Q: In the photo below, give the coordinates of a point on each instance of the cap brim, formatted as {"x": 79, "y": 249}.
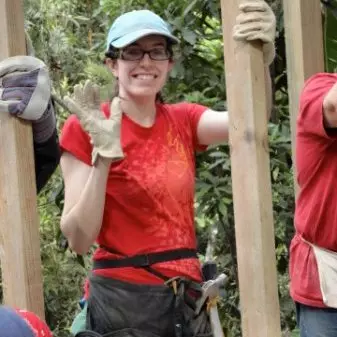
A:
{"x": 134, "y": 36}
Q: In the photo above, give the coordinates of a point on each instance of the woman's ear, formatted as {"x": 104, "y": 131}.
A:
{"x": 112, "y": 65}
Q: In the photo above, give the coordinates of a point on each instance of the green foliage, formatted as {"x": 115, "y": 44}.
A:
{"x": 69, "y": 35}
{"x": 295, "y": 333}
{"x": 330, "y": 37}
{"x": 63, "y": 275}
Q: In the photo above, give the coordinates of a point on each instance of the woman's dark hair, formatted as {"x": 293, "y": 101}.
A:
{"x": 113, "y": 54}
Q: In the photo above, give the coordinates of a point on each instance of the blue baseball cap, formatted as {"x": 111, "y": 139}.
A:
{"x": 132, "y": 26}
{"x": 12, "y": 325}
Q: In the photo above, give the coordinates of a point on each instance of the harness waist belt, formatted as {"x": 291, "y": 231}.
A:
{"x": 145, "y": 260}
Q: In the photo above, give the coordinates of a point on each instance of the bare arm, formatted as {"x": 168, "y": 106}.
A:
{"x": 330, "y": 108}
{"x": 85, "y": 188}
{"x": 213, "y": 125}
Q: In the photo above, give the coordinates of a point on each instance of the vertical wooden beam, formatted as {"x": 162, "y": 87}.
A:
{"x": 19, "y": 229}
{"x": 304, "y": 52}
{"x": 247, "y": 106}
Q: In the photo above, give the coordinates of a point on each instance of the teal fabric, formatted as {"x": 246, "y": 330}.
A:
{"x": 79, "y": 323}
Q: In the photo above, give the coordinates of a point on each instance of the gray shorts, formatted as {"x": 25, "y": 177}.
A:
{"x": 122, "y": 309}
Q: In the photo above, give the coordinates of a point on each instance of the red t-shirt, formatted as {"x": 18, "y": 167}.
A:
{"x": 150, "y": 193}
{"x": 316, "y": 211}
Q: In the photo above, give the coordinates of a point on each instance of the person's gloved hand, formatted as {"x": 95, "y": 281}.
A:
{"x": 256, "y": 21}
{"x": 25, "y": 87}
{"x": 104, "y": 132}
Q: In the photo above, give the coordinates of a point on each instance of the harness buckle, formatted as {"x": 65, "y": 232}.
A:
{"x": 144, "y": 261}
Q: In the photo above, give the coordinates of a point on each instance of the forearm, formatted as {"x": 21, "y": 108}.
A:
{"x": 269, "y": 91}
{"x": 82, "y": 223}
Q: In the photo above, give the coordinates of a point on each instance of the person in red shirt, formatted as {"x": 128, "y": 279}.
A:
{"x": 313, "y": 261}
{"x": 129, "y": 174}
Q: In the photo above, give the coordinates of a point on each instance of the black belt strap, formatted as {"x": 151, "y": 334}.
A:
{"x": 144, "y": 260}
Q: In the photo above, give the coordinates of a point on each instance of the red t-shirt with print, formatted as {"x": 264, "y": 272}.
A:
{"x": 316, "y": 211}
{"x": 150, "y": 193}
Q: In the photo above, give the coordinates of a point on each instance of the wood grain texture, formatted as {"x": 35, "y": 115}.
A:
{"x": 304, "y": 52}
{"x": 19, "y": 224}
{"x": 247, "y": 106}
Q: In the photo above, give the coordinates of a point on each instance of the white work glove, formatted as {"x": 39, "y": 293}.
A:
{"x": 256, "y": 21}
{"x": 25, "y": 87}
{"x": 104, "y": 132}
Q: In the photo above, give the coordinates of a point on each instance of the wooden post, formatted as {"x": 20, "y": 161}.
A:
{"x": 304, "y": 51}
{"x": 19, "y": 225}
{"x": 247, "y": 105}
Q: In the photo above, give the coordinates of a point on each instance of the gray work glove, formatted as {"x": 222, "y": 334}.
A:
{"x": 25, "y": 87}
{"x": 104, "y": 132}
{"x": 256, "y": 21}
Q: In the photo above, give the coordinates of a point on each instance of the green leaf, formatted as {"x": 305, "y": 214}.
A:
{"x": 295, "y": 333}
{"x": 189, "y": 36}
{"x": 276, "y": 172}
{"x": 189, "y": 8}
{"x": 222, "y": 209}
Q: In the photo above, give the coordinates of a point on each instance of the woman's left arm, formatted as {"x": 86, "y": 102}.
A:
{"x": 213, "y": 125}
{"x": 255, "y": 21}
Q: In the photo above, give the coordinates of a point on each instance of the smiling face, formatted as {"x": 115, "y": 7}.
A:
{"x": 144, "y": 78}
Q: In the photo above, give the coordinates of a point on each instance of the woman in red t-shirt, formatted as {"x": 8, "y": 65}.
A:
{"x": 129, "y": 173}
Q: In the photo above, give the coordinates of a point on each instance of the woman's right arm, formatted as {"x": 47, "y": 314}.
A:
{"x": 85, "y": 188}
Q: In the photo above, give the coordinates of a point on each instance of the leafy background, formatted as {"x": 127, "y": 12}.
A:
{"x": 69, "y": 35}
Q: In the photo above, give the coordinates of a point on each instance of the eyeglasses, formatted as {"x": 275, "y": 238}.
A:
{"x": 137, "y": 54}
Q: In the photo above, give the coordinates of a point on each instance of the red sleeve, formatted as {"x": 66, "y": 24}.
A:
{"x": 192, "y": 113}
{"x": 310, "y": 119}
{"x": 75, "y": 140}
{"x": 195, "y": 112}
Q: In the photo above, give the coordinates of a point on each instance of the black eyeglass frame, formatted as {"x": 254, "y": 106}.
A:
{"x": 168, "y": 55}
